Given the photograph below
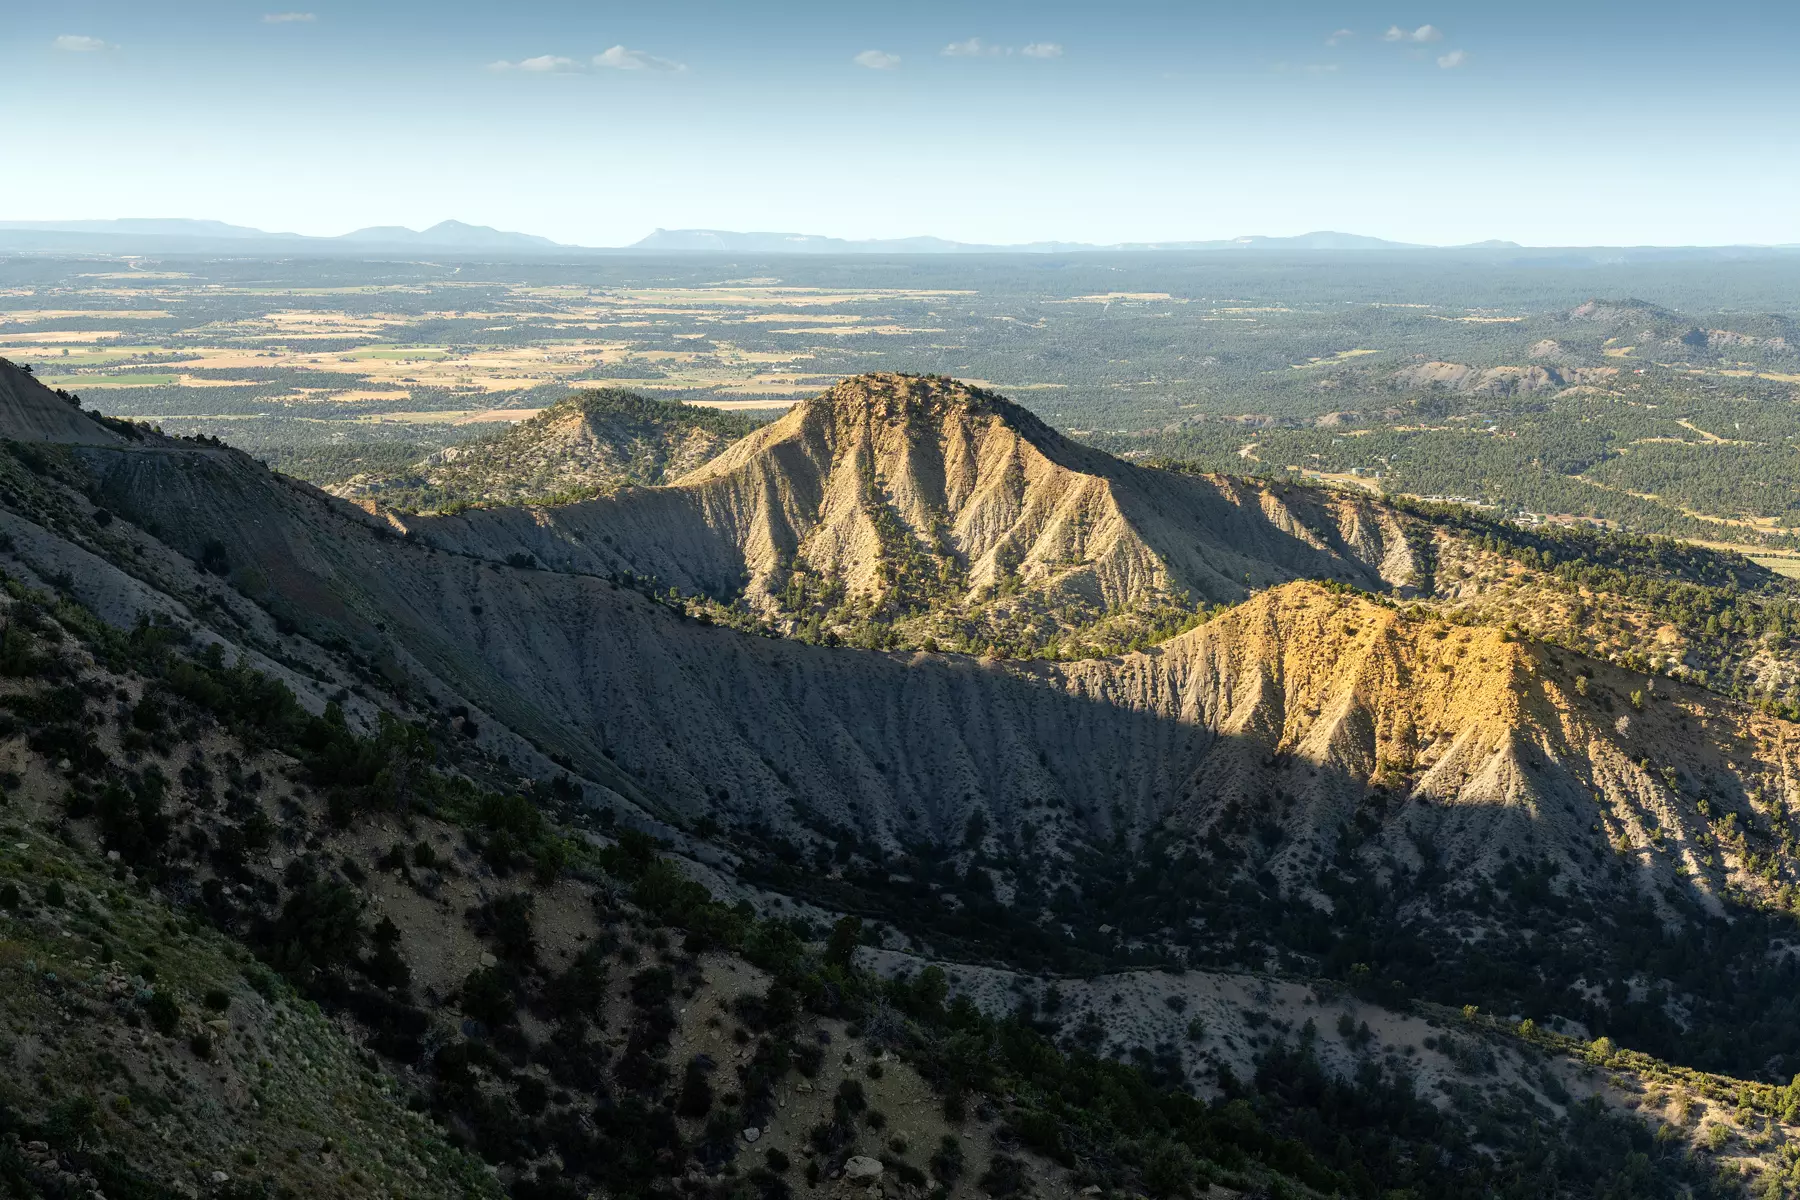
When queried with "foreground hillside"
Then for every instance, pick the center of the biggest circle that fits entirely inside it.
(1409, 815)
(563, 1005)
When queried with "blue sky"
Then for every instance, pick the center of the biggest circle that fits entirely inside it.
(1422, 120)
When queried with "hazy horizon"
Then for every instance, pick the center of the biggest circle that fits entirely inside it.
(203, 227)
(996, 123)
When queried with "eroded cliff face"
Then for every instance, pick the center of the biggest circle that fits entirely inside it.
(1280, 726)
(889, 473)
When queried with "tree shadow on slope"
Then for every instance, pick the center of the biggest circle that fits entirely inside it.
(594, 671)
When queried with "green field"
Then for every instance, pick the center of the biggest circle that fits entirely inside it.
(1440, 375)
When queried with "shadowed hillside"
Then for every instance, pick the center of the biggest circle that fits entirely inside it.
(1316, 781)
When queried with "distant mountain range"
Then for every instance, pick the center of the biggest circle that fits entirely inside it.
(702, 241)
(185, 235)
(181, 235)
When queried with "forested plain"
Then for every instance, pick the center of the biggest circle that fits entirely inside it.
(1652, 393)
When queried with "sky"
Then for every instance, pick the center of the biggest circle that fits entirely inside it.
(1648, 123)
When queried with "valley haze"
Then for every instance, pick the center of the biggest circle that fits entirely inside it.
(187, 235)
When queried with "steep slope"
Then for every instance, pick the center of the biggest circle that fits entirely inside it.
(313, 963)
(26, 415)
(1312, 778)
(1303, 691)
(594, 441)
(933, 512)
(516, 1015)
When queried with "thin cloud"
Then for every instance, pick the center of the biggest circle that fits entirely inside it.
(976, 48)
(877, 60)
(1339, 36)
(620, 58)
(973, 48)
(543, 64)
(1455, 58)
(288, 18)
(1424, 33)
(76, 43)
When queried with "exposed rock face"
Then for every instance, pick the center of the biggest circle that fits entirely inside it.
(595, 441)
(887, 470)
(1502, 381)
(1283, 712)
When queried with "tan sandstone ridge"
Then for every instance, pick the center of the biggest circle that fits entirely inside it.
(1282, 711)
(887, 465)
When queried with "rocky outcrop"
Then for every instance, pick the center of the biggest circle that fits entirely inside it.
(1292, 715)
(886, 466)
(1501, 381)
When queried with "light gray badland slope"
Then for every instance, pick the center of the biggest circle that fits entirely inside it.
(884, 465)
(1283, 712)
(31, 412)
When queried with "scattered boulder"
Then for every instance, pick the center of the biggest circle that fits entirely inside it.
(862, 1167)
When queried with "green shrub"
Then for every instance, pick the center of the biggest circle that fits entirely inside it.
(487, 995)
(696, 1098)
(947, 1161)
(163, 1012)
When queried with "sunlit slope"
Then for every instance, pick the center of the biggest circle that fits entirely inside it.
(892, 496)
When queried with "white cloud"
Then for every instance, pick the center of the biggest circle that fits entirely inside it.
(78, 44)
(976, 48)
(877, 60)
(973, 48)
(287, 18)
(1340, 35)
(1424, 33)
(543, 64)
(619, 58)
(1455, 58)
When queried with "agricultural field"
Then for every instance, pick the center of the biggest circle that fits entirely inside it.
(1655, 396)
